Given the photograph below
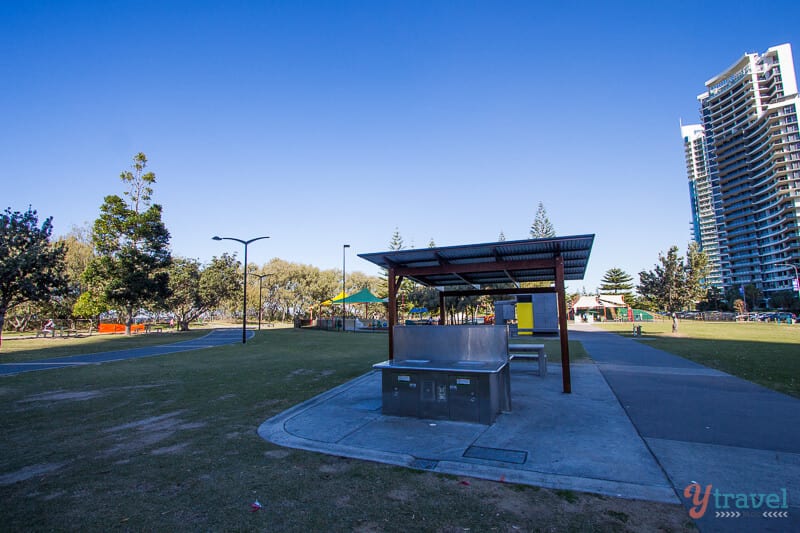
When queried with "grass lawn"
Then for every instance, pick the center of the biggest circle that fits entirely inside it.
(169, 443)
(765, 353)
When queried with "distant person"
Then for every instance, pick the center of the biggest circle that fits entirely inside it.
(674, 323)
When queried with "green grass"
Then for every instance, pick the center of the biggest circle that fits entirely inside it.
(765, 353)
(169, 443)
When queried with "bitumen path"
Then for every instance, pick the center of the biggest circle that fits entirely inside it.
(640, 423)
(218, 337)
(710, 429)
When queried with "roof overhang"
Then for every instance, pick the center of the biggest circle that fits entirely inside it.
(496, 263)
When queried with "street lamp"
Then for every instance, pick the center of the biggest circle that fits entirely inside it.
(796, 277)
(344, 247)
(260, 305)
(244, 308)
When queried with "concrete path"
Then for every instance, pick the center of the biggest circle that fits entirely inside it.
(640, 423)
(711, 429)
(217, 337)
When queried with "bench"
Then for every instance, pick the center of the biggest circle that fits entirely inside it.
(533, 352)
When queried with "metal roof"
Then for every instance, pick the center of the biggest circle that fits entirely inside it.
(492, 263)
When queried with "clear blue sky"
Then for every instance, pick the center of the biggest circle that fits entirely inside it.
(324, 123)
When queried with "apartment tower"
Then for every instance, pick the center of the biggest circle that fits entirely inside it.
(743, 165)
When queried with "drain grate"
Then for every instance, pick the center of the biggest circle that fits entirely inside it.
(424, 464)
(496, 454)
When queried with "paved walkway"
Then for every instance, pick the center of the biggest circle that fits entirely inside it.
(640, 423)
(217, 337)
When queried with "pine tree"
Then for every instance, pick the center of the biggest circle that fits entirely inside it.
(542, 228)
(616, 281)
(501, 237)
(397, 241)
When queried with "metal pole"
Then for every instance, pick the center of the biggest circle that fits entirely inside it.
(260, 306)
(796, 277)
(244, 309)
(344, 247)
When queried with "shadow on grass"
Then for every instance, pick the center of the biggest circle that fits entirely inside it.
(23, 350)
(775, 365)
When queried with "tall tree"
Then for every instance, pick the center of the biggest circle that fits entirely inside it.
(674, 284)
(132, 246)
(397, 241)
(31, 268)
(196, 290)
(501, 237)
(542, 227)
(617, 281)
(696, 271)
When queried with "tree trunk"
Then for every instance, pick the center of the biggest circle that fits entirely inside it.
(2, 322)
(128, 320)
(183, 325)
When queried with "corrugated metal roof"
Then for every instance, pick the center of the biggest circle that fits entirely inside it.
(492, 263)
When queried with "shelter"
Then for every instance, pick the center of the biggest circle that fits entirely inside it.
(477, 269)
(364, 296)
(609, 306)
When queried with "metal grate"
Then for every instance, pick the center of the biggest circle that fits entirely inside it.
(497, 454)
(424, 464)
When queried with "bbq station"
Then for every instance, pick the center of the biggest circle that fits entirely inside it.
(461, 372)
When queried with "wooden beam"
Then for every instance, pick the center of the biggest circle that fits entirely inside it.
(392, 309)
(510, 290)
(490, 266)
(566, 378)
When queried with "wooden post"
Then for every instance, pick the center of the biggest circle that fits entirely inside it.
(442, 309)
(562, 324)
(392, 310)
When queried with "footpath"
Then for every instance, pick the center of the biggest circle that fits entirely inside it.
(217, 337)
(730, 448)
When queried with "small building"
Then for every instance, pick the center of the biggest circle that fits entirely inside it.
(601, 307)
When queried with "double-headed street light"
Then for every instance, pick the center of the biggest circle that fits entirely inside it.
(260, 286)
(244, 309)
(344, 295)
(796, 277)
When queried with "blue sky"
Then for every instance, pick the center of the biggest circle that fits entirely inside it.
(324, 123)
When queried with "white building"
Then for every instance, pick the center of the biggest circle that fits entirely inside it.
(752, 165)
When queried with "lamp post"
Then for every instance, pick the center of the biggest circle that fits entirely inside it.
(244, 308)
(260, 305)
(344, 248)
(796, 277)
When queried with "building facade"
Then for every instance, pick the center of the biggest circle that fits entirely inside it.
(705, 203)
(747, 178)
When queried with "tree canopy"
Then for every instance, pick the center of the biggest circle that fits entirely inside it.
(196, 290)
(31, 268)
(675, 284)
(542, 227)
(132, 246)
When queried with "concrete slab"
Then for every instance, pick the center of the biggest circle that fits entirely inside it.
(733, 471)
(582, 441)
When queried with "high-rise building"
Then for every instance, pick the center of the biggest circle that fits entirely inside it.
(705, 205)
(748, 178)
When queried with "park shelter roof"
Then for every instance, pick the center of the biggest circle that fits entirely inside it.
(489, 263)
(335, 300)
(364, 296)
(552, 259)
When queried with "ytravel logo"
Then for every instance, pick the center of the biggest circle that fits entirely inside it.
(735, 504)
